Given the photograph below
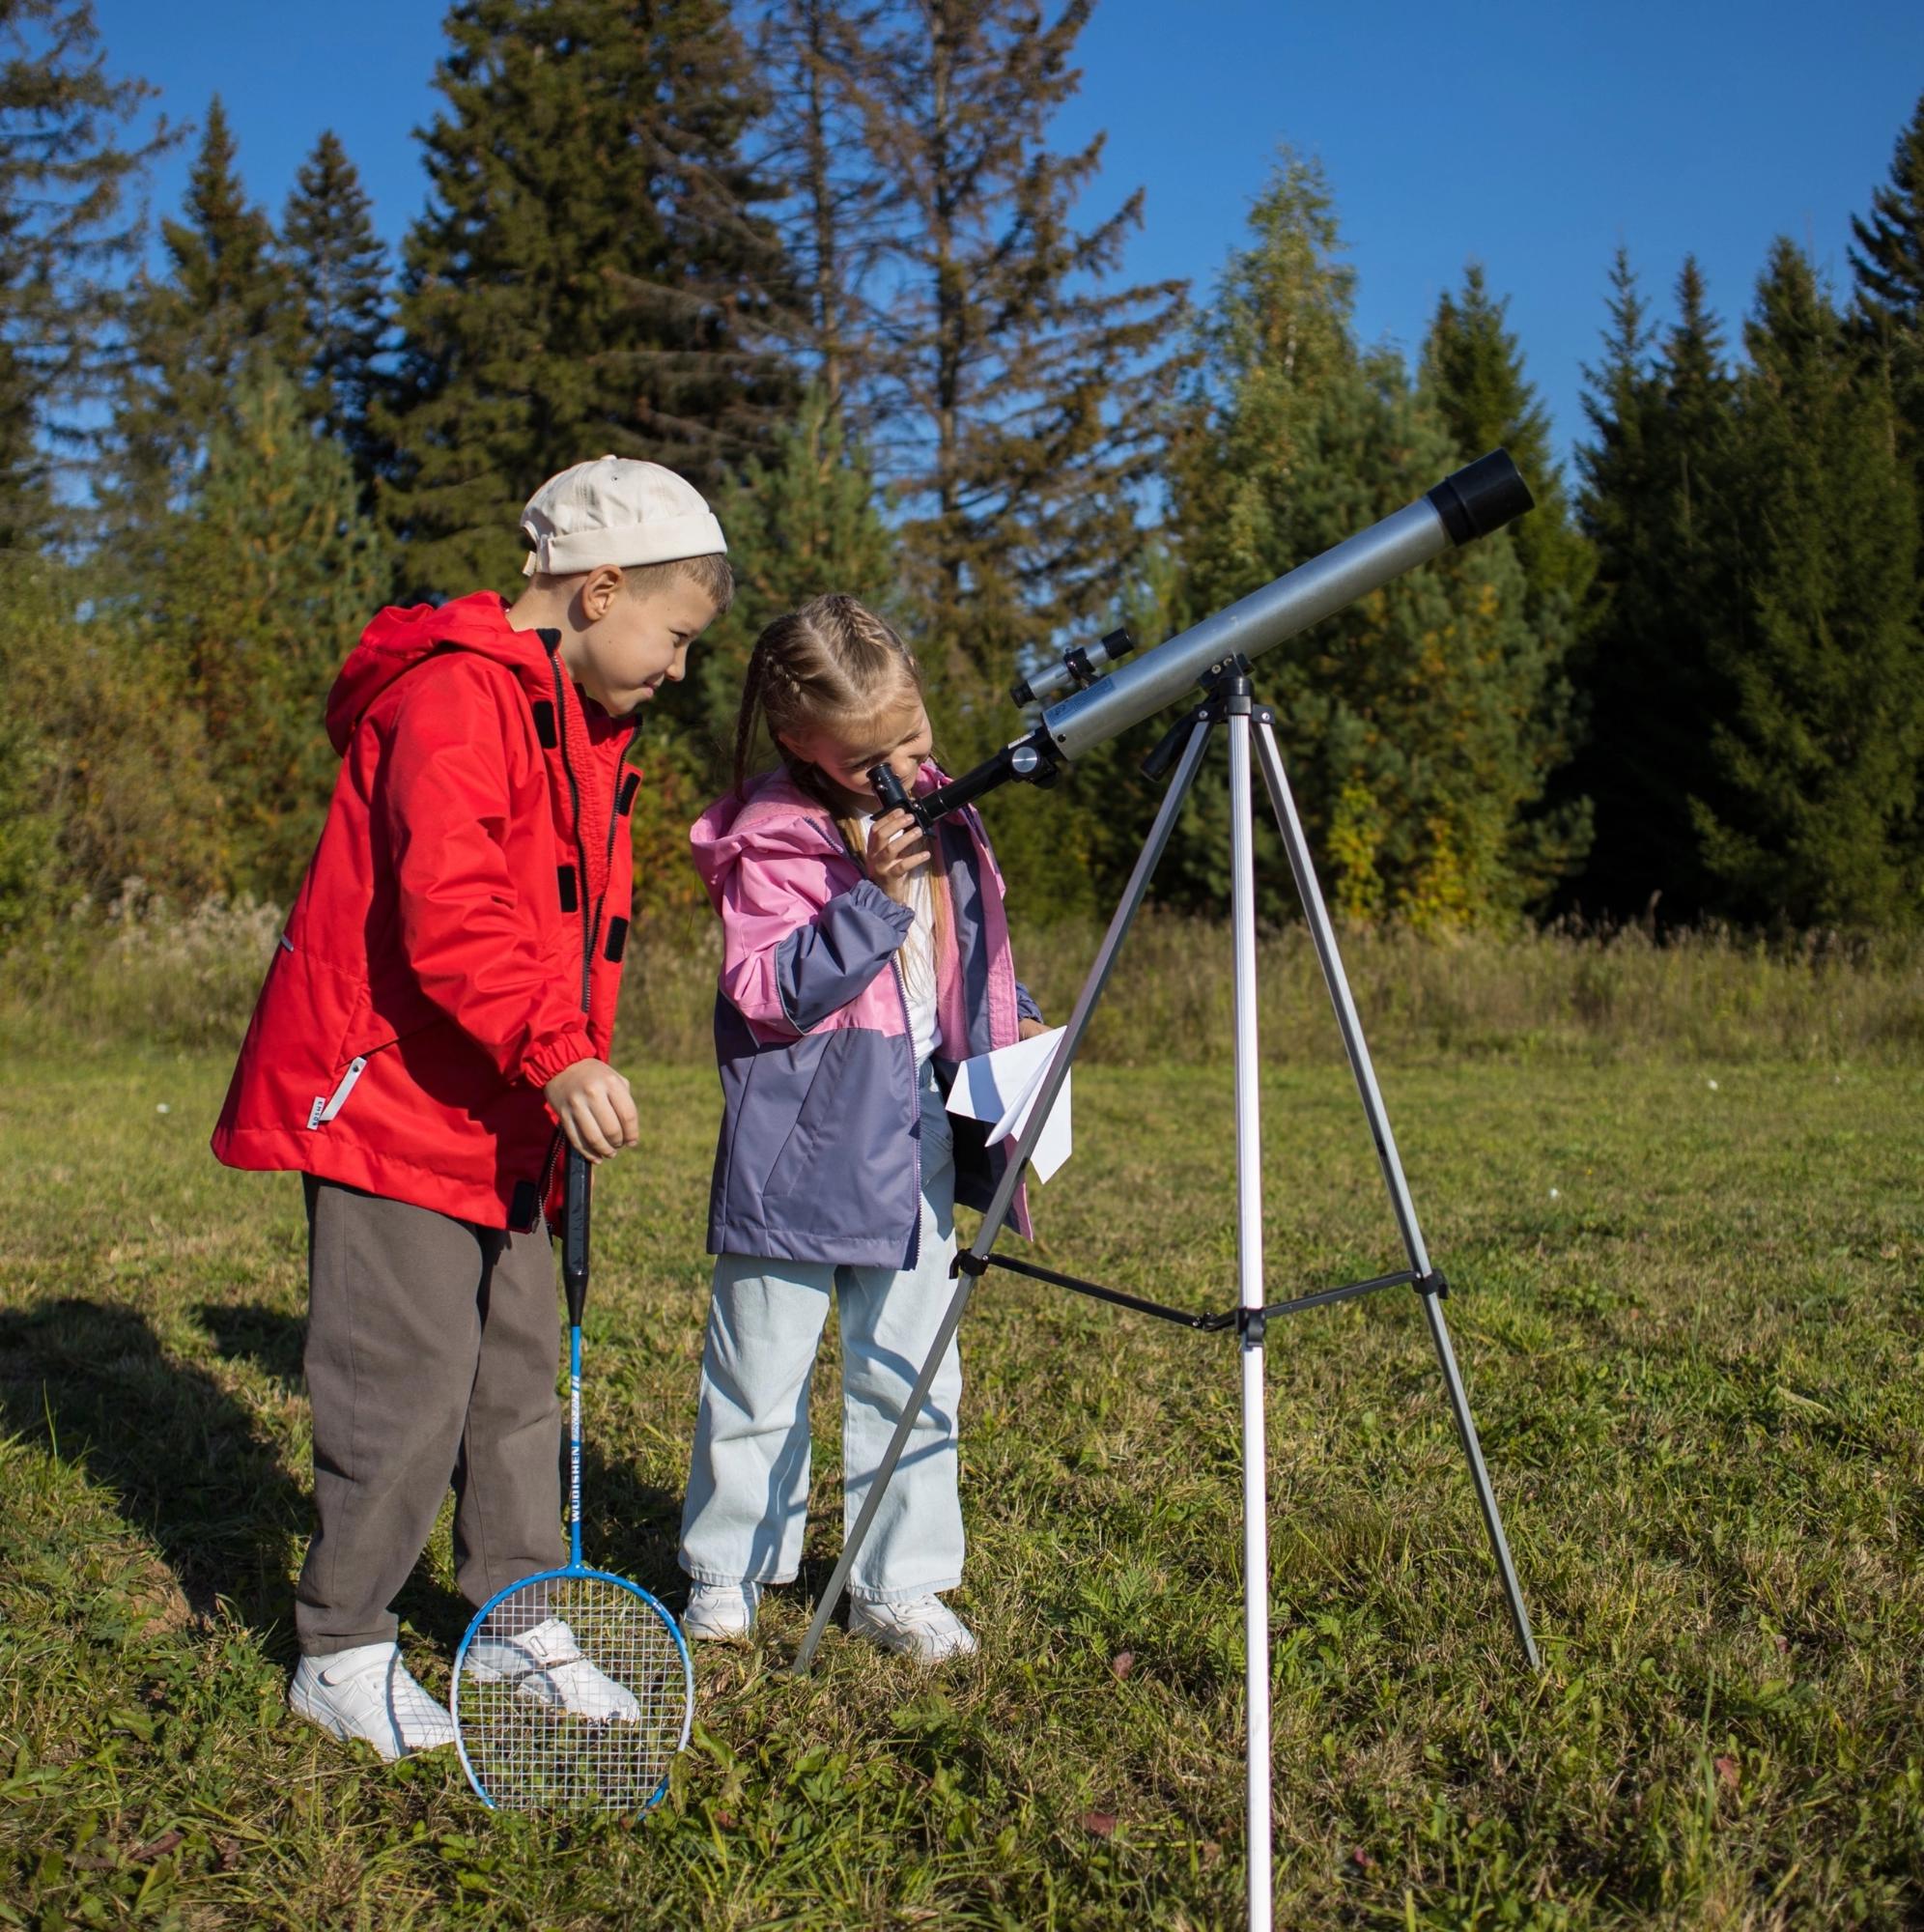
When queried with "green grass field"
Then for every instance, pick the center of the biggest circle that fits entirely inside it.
(1690, 1311)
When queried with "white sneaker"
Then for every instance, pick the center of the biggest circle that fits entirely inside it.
(924, 1628)
(718, 1611)
(546, 1664)
(368, 1693)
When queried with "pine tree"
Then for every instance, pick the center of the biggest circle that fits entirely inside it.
(339, 268)
(1020, 399)
(1414, 723)
(831, 204)
(269, 574)
(1818, 756)
(224, 305)
(65, 232)
(590, 274)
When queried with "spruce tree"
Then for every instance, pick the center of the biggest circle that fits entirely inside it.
(269, 574)
(1472, 376)
(65, 233)
(1415, 722)
(1656, 479)
(591, 274)
(1020, 398)
(1888, 264)
(1818, 756)
(338, 266)
(223, 305)
(802, 521)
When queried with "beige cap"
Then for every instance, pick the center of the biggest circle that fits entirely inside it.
(616, 510)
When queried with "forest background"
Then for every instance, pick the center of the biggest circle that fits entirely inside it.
(830, 261)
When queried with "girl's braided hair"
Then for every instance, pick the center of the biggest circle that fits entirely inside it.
(833, 664)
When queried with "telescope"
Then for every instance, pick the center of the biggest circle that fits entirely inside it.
(1471, 502)
(1108, 697)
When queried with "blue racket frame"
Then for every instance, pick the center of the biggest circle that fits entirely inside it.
(574, 1276)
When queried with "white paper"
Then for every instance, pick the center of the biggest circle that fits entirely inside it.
(1002, 1088)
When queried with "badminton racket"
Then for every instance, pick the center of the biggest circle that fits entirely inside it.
(572, 1689)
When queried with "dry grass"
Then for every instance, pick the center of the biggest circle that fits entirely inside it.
(148, 973)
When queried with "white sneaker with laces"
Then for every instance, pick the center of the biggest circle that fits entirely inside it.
(923, 1627)
(369, 1693)
(718, 1611)
(546, 1664)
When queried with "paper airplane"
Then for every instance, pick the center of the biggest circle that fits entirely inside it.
(1002, 1088)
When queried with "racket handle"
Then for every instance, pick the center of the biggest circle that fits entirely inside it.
(575, 1236)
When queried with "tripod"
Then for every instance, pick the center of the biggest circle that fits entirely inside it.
(1227, 700)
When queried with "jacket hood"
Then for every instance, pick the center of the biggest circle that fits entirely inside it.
(399, 639)
(777, 819)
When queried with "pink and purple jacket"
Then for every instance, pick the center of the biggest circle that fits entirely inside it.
(819, 1157)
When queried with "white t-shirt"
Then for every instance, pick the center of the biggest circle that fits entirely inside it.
(917, 957)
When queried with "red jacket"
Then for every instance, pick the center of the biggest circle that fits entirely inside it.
(457, 940)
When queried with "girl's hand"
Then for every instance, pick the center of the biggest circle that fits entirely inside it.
(897, 848)
(1029, 1029)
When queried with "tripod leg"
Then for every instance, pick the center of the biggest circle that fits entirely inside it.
(1249, 1274)
(1323, 934)
(992, 1219)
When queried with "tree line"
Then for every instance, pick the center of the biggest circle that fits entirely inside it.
(827, 259)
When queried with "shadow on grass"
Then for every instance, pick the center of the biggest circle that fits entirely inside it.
(630, 1528)
(251, 1332)
(271, 1340)
(183, 1462)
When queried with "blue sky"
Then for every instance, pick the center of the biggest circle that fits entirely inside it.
(1534, 138)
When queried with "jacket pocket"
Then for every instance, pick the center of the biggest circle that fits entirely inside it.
(850, 1161)
(327, 1105)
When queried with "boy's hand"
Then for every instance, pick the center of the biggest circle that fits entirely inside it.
(595, 1107)
(896, 849)
(1029, 1029)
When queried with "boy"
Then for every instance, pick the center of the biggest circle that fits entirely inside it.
(436, 1018)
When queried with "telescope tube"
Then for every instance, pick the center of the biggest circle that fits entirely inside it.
(1471, 502)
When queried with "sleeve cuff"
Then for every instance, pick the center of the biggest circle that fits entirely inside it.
(546, 1057)
(867, 894)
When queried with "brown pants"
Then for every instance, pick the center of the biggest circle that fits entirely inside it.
(432, 1348)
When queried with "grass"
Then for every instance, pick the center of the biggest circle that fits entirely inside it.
(1690, 1311)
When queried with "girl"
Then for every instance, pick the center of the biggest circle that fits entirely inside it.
(861, 960)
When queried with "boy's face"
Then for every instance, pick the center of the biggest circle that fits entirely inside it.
(633, 641)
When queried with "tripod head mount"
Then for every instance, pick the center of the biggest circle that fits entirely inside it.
(1469, 503)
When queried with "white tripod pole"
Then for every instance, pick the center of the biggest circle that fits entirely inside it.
(1249, 1274)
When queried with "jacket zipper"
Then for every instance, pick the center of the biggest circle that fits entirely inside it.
(581, 865)
(915, 1100)
(590, 921)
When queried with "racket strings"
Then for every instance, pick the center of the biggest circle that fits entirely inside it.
(573, 1692)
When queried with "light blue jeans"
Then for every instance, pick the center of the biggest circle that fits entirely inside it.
(747, 1481)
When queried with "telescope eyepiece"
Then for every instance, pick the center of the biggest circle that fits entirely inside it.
(1481, 497)
(890, 790)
